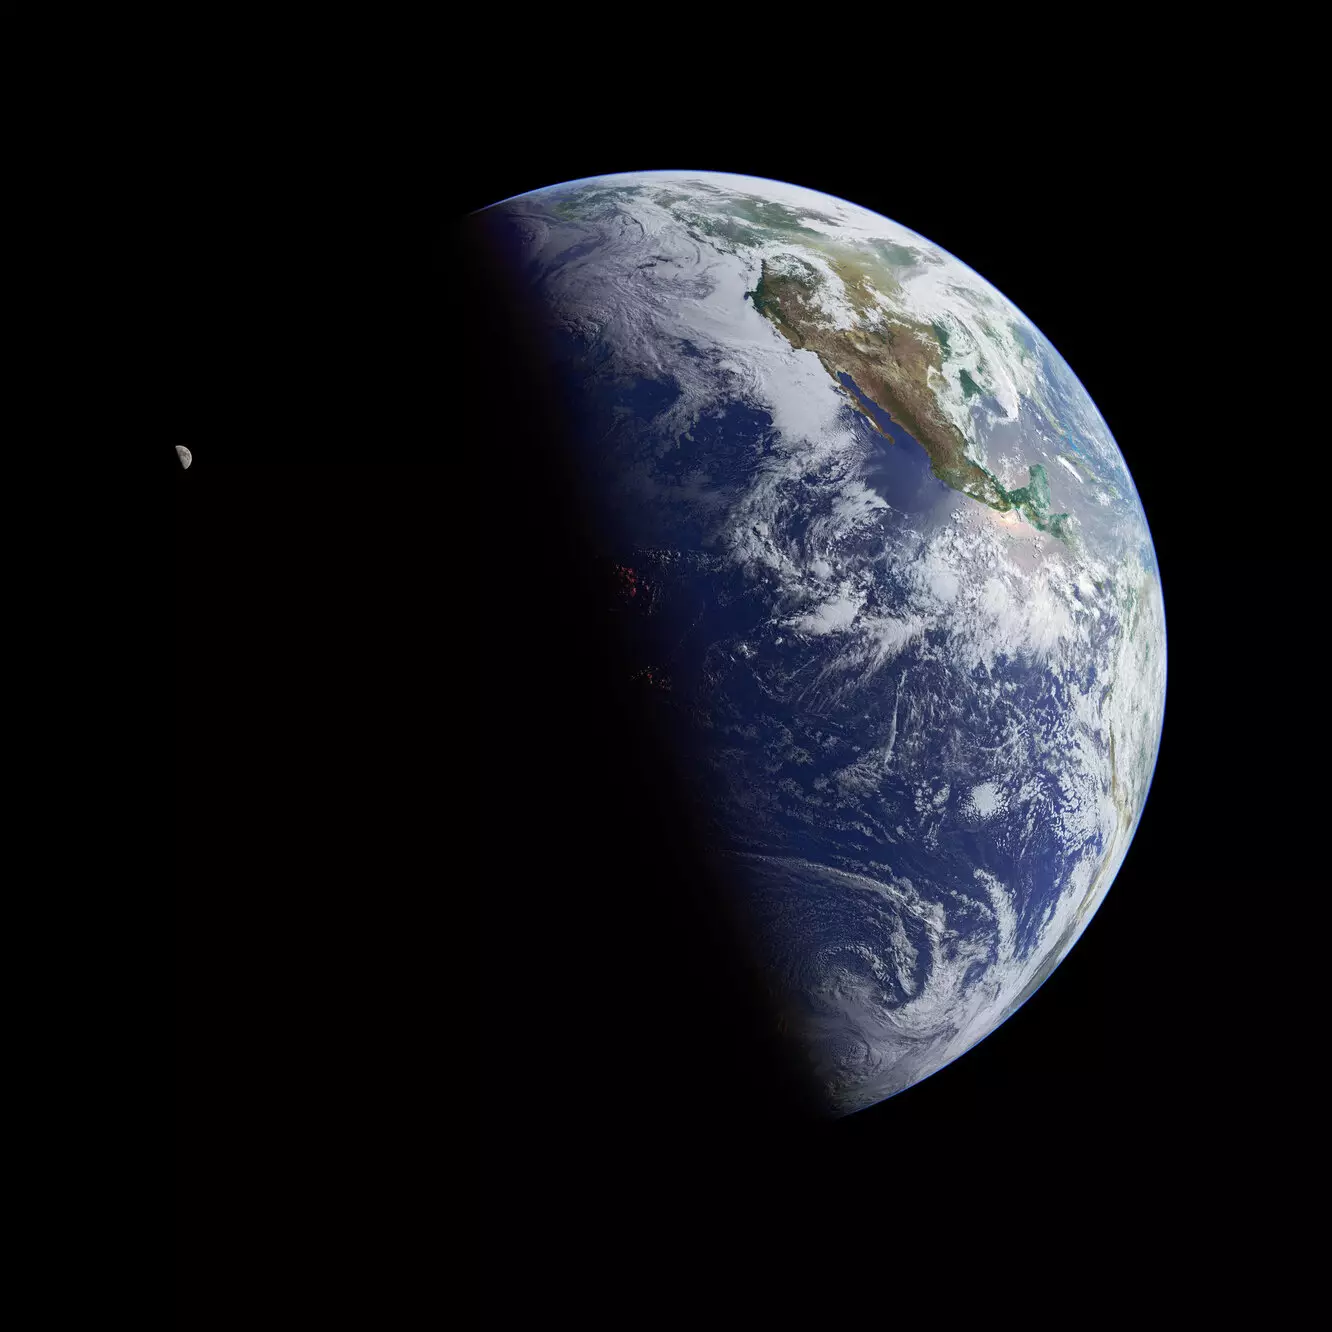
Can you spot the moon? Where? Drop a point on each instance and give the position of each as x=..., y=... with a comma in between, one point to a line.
x=186, y=458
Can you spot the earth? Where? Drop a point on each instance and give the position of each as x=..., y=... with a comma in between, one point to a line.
x=891, y=583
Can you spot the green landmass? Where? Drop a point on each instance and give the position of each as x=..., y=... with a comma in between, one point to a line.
x=891, y=367
x=889, y=356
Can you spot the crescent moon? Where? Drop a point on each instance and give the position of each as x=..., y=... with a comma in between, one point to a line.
x=186, y=458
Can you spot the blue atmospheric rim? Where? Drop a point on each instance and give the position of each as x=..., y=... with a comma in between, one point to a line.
x=822, y=194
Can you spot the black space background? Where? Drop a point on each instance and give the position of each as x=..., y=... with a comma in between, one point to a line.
x=444, y=949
